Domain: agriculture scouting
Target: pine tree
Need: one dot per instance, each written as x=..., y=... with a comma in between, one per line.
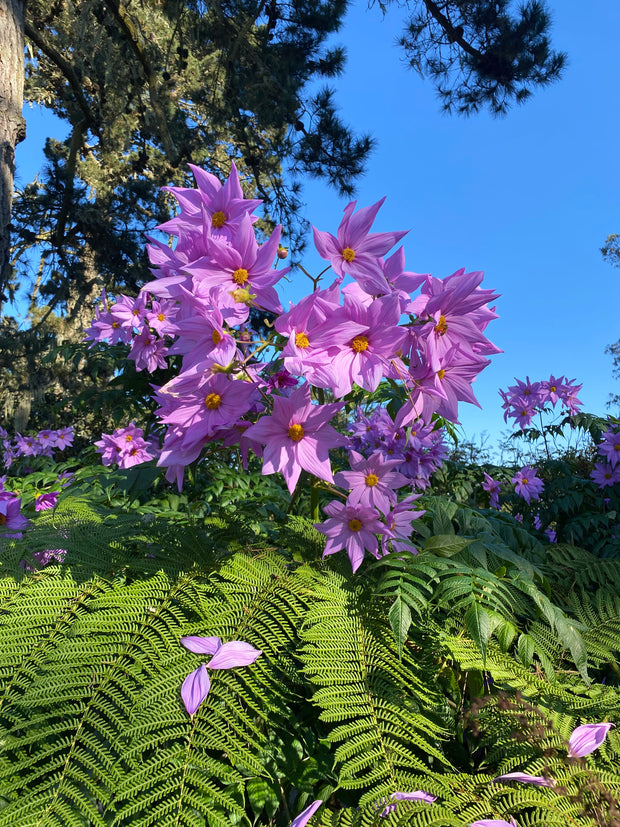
x=148, y=87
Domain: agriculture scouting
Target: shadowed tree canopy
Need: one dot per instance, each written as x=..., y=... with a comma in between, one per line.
x=146, y=87
x=482, y=54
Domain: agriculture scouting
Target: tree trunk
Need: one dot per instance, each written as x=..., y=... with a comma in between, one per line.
x=12, y=124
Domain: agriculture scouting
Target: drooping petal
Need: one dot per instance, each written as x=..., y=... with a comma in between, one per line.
x=302, y=819
x=418, y=795
x=201, y=645
x=586, y=738
x=495, y=822
x=195, y=689
x=234, y=653
x=526, y=778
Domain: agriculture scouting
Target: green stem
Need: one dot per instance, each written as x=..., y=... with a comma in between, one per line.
x=314, y=503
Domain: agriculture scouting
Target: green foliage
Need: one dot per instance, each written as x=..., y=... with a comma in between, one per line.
x=433, y=672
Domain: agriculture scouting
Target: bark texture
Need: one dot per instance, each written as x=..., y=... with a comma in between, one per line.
x=12, y=124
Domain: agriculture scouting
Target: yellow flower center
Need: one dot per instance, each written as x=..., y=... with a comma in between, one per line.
x=616, y=447
x=161, y=317
x=441, y=327
x=218, y=219
x=441, y=373
x=371, y=479
x=240, y=276
x=553, y=389
x=527, y=392
x=359, y=344
x=129, y=438
x=348, y=254
x=213, y=401
x=301, y=340
x=115, y=325
x=296, y=432
x=216, y=337
x=355, y=524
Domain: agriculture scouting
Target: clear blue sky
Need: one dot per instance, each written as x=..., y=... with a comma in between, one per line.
x=529, y=198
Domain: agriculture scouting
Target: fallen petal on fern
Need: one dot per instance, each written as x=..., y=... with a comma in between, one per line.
x=195, y=688
x=302, y=819
x=234, y=653
x=202, y=645
x=495, y=822
x=586, y=738
x=526, y=778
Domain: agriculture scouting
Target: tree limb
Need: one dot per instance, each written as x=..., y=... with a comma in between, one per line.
x=134, y=40
x=67, y=70
x=454, y=33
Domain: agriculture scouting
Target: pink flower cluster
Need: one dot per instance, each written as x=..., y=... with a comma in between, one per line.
x=420, y=448
x=126, y=447
x=607, y=472
x=527, y=484
x=41, y=444
x=524, y=400
x=234, y=388
x=143, y=323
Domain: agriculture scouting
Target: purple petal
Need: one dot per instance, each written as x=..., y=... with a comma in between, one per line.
x=418, y=795
x=526, y=778
x=302, y=819
x=495, y=822
x=195, y=688
x=234, y=653
x=201, y=645
x=586, y=738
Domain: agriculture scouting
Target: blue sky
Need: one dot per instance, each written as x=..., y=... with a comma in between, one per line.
x=529, y=198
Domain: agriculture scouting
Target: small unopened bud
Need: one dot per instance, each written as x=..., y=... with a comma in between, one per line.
x=241, y=294
x=282, y=252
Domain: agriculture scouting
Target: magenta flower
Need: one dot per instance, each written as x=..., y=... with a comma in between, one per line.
x=367, y=357
x=603, y=474
x=46, y=501
x=373, y=481
x=27, y=446
x=586, y=738
x=527, y=484
x=493, y=487
x=196, y=685
x=10, y=517
x=220, y=206
x=126, y=447
x=355, y=250
x=610, y=448
x=526, y=778
x=398, y=522
x=199, y=405
x=304, y=817
x=352, y=527
x=148, y=351
x=242, y=267
x=64, y=437
x=297, y=436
